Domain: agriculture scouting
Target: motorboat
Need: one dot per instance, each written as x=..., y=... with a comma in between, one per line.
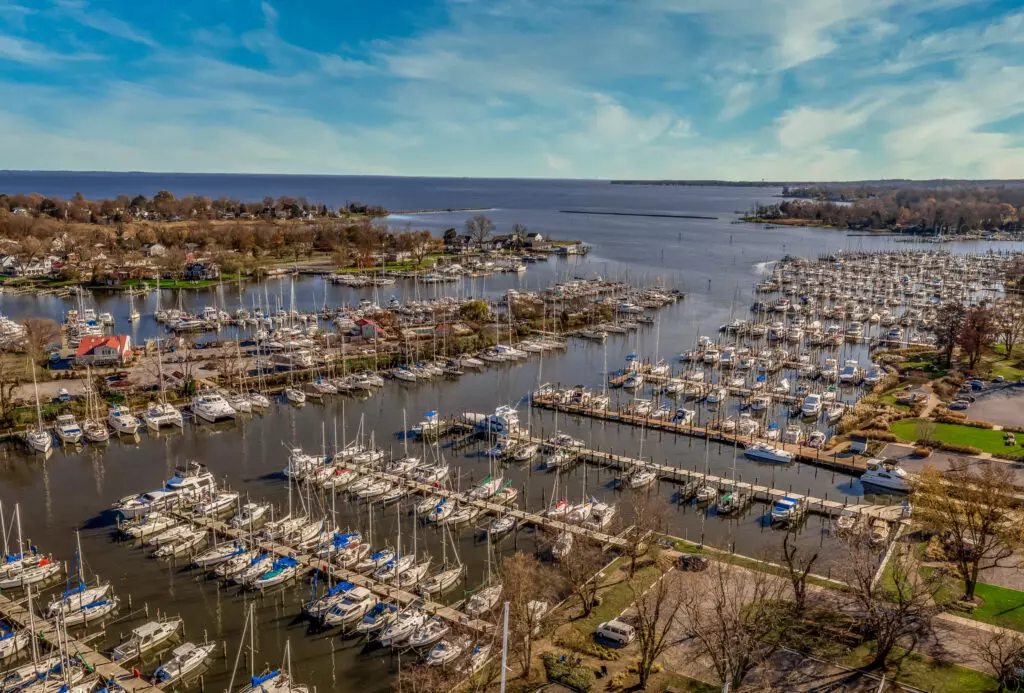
x=68, y=430
x=146, y=637
x=762, y=452
x=122, y=421
x=218, y=503
x=788, y=510
x=181, y=545
x=402, y=628
x=211, y=407
x=148, y=525
x=185, y=659
x=887, y=475
x=446, y=652
x=377, y=618
x=811, y=406
x=357, y=601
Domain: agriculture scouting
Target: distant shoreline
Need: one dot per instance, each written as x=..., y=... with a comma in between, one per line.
x=665, y=215
x=441, y=211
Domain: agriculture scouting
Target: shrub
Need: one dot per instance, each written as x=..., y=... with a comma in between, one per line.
x=964, y=421
x=568, y=672
x=576, y=641
x=957, y=447
x=955, y=416
x=876, y=434
x=922, y=451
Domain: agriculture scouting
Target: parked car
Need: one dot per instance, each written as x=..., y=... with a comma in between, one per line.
x=692, y=563
x=617, y=632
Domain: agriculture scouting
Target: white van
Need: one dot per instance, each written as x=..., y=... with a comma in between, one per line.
x=617, y=632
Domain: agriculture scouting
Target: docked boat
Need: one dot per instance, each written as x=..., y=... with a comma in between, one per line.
x=641, y=478
x=355, y=604
x=68, y=430
x=379, y=617
x=283, y=569
x=185, y=660
x=483, y=601
x=211, y=407
x=811, y=406
x=886, y=475
x=401, y=629
x=788, y=510
x=762, y=452
x=429, y=633
x=180, y=545
x=145, y=638
x=249, y=515
x=122, y=421
x=148, y=525
x=161, y=414
x=446, y=652
x=217, y=555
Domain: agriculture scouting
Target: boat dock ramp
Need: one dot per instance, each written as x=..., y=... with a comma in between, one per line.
x=95, y=661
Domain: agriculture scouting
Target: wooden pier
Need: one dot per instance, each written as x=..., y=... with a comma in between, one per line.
x=851, y=463
x=384, y=591
x=96, y=662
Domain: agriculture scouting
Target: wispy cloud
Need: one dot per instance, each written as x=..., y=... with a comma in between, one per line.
x=103, y=21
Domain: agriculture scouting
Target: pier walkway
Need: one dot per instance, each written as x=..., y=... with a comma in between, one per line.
x=384, y=591
x=96, y=662
x=852, y=463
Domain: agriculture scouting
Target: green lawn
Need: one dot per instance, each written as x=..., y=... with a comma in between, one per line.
x=686, y=684
x=921, y=671
x=1002, y=606
x=984, y=439
x=616, y=598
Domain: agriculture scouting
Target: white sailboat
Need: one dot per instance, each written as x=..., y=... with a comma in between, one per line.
x=39, y=440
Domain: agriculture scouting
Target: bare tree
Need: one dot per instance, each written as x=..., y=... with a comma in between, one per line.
x=424, y=679
x=971, y=505
x=12, y=370
x=798, y=567
x=578, y=569
x=39, y=333
x=896, y=610
x=649, y=513
x=479, y=228
x=732, y=615
x=1003, y=651
x=526, y=588
x=653, y=615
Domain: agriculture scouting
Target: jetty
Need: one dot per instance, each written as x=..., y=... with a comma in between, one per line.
x=96, y=662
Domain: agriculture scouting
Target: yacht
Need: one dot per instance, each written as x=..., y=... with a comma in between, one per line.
x=355, y=604
x=850, y=373
x=122, y=421
x=887, y=475
x=762, y=452
x=811, y=406
x=68, y=430
x=160, y=414
x=788, y=510
x=146, y=637
x=211, y=407
x=185, y=659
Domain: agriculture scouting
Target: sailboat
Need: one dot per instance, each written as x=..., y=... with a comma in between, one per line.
x=94, y=431
x=40, y=439
x=161, y=413
x=449, y=573
x=20, y=569
x=273, y=681
x=482, y=601
x=81, y=603
x=133, y=315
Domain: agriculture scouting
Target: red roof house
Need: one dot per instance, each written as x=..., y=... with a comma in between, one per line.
x=103, y=351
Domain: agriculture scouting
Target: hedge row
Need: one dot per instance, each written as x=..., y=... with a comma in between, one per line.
x=565, y=671
x=964, y=422
x=877, y=434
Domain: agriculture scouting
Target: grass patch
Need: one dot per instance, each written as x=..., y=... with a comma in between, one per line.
x=683, y=683
x=984, y=439
x=684, y=546
x=921, y=671
x=616, y=597
x=1002, y=606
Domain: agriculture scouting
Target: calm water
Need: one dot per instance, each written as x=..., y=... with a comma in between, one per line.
x=714, y=261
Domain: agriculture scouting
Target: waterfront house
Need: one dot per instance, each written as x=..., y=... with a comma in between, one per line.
x=103, y=350
x=368, y=329
x=198, y=271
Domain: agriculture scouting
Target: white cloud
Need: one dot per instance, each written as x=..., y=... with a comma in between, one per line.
x=804, y=126
x=739, y=98
x=21, y=50
x=959, y=42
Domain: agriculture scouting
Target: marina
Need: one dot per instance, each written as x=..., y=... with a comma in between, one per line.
x=666, y=451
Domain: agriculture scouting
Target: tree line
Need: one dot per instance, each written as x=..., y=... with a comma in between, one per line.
x=165, y=206
x=922, y=210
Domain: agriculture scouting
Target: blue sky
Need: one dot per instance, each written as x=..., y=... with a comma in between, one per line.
x=735, y=89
